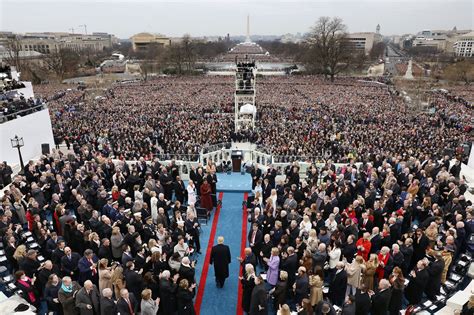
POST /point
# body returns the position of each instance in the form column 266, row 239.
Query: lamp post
column 18, row 143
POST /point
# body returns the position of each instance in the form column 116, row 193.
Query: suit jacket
column 107, row 306
column 258, row 298
column 68, row 266
column 83, row 299
column 337, row 288
column 220, row 258
column 84, row 266
column 380, row 302
column 134, row 282
column 290, row 265
column 258, row 239
column 123, row 308
column 363, row 303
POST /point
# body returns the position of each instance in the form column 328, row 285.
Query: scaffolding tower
column 245, row 109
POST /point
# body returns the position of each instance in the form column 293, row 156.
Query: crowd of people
column 381, row 236
column 179, row 116
column 110, row 238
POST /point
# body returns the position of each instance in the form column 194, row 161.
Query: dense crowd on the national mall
column 176, row 117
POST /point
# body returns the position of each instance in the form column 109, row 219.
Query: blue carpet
column 234, row 182
column 224, row 301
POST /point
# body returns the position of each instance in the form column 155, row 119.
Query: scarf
column 27, row 284
column 67, row 289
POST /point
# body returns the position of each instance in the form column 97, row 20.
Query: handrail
column 36, row 108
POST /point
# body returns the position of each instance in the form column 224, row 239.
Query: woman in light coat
column 149, row 306
column 105, row 275
column 316, row 282
column 273, row 267
column 354, row 275
column 154, row 206
column 191, row 192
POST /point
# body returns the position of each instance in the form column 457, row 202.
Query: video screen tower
column 245, row 109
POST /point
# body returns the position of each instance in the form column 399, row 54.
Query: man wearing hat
column 148, row 230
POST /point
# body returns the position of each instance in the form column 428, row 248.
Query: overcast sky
column 200, row 18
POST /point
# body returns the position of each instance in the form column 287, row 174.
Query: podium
column 236, row 157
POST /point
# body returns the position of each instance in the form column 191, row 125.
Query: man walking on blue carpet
column 220, row 258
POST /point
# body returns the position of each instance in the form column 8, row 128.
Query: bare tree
column 13, row 47
column 187, row 45
column 328, row 46
column 62, row 62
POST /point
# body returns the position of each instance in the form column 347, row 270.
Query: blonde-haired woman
column 313, row 241
column 273, row 264
column 248, row 283
column 20, row 253
column 305, row 226
column 370, row 267
column 355, row 270
column 118, row 280
column 284, row 310
column 148, row 306
column 316, row 282
column 105, row 275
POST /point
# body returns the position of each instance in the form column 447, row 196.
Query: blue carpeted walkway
column 224, row 301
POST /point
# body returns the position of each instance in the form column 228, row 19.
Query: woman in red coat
column 206, row 200
column 383, row 256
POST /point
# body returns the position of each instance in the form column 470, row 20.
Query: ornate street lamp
column 18, row 143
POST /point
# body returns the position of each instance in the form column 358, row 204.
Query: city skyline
column 204, row 18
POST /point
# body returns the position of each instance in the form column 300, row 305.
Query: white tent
column 248, row 109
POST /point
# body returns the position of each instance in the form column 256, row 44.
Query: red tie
column 93, row 270
column 130, row 307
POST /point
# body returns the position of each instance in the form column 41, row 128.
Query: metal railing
column 21, row 113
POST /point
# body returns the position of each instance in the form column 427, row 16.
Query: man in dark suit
column 30, row 264
column 88, row 267
column 416, row 286
column 69, row 263
column 220, row 258
column 289, row 263
column 435, row 270
column 187, row 271
column 301, row 285
column 249, row 258
column 168, row 289
column 258, row 299
column 127, row 304
column 88, row 299
column 375, row 240
column 365, row 225
column 107, row 303
column 271, row 175
column 256, row 174
column 362, row 301
column 179, row 190
column 133, row 280
column 255, row 239
column 338, row 285
column 381, row 299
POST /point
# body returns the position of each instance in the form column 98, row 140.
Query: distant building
column 141, row 41
column 47, row 43
column 463, row 47
column 363, row 42
column 442, row 40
